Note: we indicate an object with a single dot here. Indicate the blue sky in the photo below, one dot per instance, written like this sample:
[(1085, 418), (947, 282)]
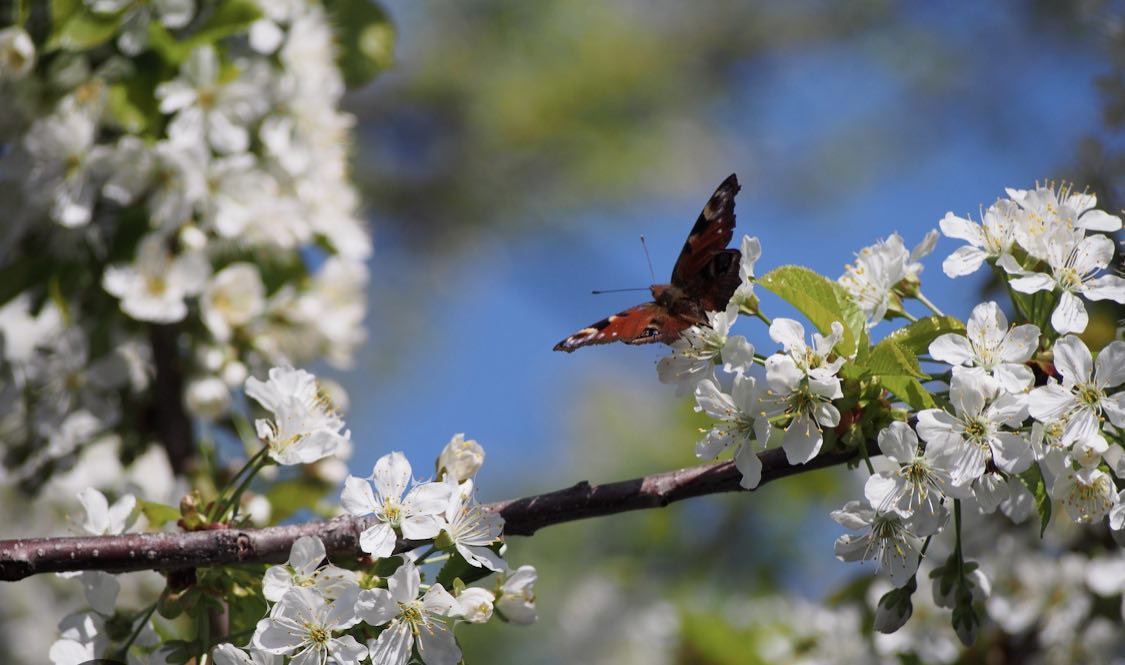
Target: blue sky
[(493, 312)]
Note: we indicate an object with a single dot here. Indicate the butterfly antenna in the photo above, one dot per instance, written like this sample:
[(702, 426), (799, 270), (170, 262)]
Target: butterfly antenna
[(651, 272), (598, 293)]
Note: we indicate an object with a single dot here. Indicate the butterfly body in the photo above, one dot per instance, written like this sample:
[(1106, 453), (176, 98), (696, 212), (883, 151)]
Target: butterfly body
[(703, 280)]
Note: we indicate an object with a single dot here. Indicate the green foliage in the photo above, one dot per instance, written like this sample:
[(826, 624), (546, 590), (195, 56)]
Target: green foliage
[(18, 273), (457, 570), (710, 639), (821, 300), (74, 27), (158, 514), (918, 335), (899, 372), (1034, 481), (291, 496), (230, 17), (366, 39), (123, 112)]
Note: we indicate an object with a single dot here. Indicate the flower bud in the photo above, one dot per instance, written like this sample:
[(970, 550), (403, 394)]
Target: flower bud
[(893, 611), (207, 397), (474, 605), (460, 459), (17, 53)]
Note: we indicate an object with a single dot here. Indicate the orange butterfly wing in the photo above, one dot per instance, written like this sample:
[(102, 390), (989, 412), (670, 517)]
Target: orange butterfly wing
[(644, 324)]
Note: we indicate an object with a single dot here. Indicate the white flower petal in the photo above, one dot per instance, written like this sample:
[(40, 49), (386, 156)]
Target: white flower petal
[(378, 540), (1070, 314)]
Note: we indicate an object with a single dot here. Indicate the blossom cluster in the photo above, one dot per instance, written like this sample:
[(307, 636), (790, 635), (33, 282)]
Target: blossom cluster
[(193, 153), (1015, 417), (423, 544)]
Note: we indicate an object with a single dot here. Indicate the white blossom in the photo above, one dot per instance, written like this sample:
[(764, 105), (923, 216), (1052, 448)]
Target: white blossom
[(988, 241), (991, 348), (804, 397), (233, 297), (17, 53), (136, 17), (878, 269), (411, 620), (418, 514), (63, 157), (968, 438), (516, 600), (154, 286), (1074, 261), (208, 109), (305, 427), (887, 538), (742, 421), (228, 654), (1044, 210), (743, 296), (1117, 517), (179, 181), (471, 529), (919, 485), (1087, 494), (694, 353), (460, 459), (303, 570), (1082, 397), (82, 638), (474, 605), (303, 625), (102, 519), (207, 397)]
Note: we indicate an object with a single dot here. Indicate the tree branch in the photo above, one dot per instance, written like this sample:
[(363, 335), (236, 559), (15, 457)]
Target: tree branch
[(170, 421), (522, 517)]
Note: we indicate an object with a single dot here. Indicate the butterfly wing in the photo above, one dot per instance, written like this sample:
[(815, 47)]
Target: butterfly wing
[(643, 324), (707, 241)]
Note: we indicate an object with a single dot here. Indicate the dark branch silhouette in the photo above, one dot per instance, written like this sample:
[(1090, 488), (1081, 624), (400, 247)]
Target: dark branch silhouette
[(522, 517)]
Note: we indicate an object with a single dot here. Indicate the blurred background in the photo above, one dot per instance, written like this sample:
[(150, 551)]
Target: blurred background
[(514, 153)]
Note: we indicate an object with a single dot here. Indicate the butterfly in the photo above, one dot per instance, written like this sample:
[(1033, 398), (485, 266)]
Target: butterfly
[(703, 280)]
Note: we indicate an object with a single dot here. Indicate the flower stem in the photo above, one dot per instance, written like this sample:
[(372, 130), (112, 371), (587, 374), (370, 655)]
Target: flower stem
[(140, 626), (765, 319), (957, 552), (866, 456), (426, 555), (909, 317), (929, 305), (253, 466)]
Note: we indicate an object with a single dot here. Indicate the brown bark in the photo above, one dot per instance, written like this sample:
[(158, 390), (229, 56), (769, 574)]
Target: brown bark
[(522, 517)]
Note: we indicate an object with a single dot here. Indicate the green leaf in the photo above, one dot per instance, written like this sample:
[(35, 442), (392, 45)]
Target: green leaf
[(1033, 480), (918, 335), (909, 390), (290, 496), (365, 37), (889, 358), (123, 112), (456, 568), (820, 299), (61, 10), (76, 28), (158, 514), (19, 274), (229, 18)]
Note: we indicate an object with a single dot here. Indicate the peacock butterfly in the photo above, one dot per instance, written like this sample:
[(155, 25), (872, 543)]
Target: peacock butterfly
[(703, 280)]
